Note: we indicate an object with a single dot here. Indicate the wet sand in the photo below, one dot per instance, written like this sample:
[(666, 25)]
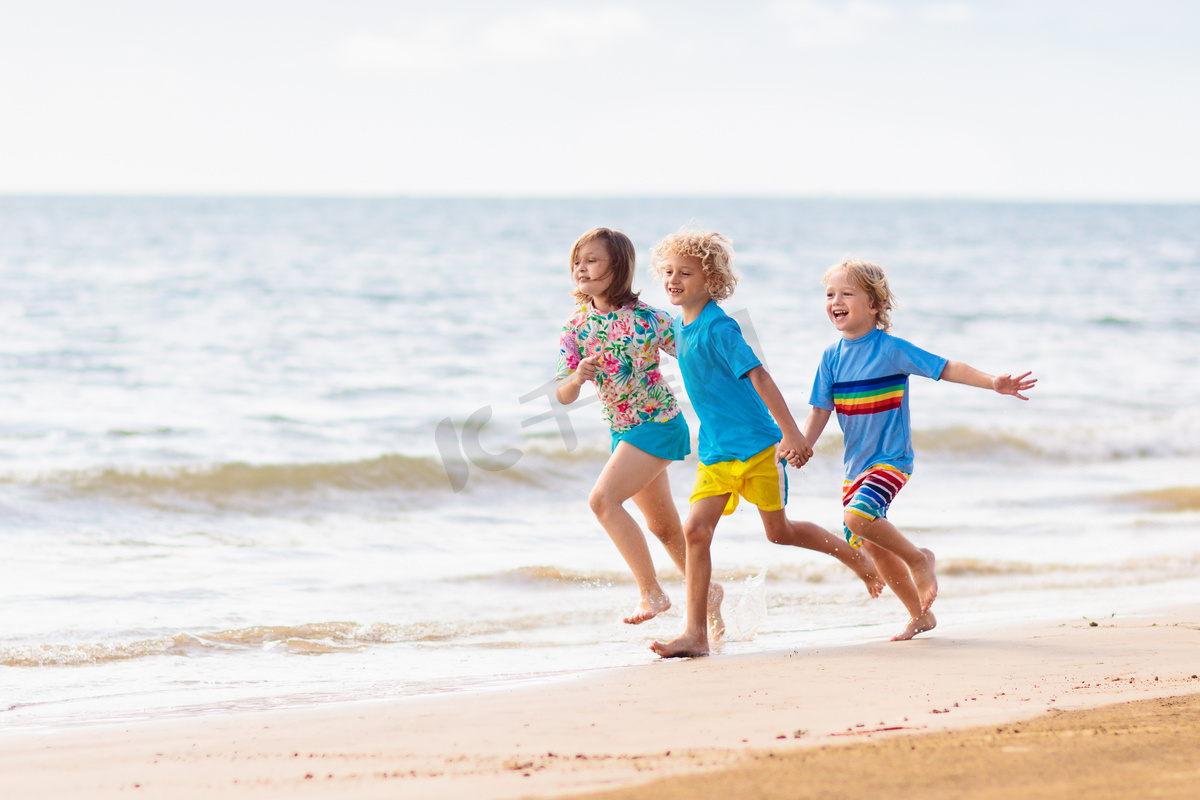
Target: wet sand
[(1009, 710), (1147, 748)]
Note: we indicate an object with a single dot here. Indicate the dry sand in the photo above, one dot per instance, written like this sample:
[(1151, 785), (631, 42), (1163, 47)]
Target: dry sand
[(763, 725)]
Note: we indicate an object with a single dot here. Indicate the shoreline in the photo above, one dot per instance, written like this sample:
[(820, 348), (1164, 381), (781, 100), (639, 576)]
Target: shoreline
[(619, 727)]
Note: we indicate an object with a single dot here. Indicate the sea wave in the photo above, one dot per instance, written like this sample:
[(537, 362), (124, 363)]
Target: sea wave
[(80, 654), (427, 480), (785, 584), (413, 479), (813, 573), (1178, 498), (831, 571), (1168, 436), (961, 440), (301, 639), (561, 575)]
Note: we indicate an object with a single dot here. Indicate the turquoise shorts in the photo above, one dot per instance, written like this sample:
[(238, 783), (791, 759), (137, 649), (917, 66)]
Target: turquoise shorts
[(670, 440)]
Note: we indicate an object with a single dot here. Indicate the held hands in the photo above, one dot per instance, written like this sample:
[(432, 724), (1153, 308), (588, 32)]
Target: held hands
[(795, 450), (1007, 384)]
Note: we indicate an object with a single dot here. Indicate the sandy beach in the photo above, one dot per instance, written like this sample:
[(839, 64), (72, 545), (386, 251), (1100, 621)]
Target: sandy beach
[(724, 718)]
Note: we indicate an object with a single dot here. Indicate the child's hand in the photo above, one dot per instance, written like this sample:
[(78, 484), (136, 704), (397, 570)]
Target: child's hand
[(794, 449), (1007, 384), (586, 371)]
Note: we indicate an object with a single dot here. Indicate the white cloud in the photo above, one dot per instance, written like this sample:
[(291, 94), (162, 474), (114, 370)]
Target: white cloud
[(436, 47), (949, 13), (811, 22), (432, 48), (553, 33)]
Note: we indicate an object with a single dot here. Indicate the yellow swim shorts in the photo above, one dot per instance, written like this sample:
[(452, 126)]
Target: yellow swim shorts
[(761, 480)]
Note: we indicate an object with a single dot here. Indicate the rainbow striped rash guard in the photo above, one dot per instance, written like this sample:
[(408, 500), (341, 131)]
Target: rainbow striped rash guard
[(865, 381)]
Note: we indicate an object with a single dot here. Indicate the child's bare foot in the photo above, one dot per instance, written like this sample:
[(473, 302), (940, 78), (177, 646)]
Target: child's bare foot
[(649, 608), (864, 568), (925, 622), (716, 623), (874, 584), (685, 646), (926, 580)]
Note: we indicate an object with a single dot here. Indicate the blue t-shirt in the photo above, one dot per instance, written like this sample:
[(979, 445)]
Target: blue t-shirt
[(865, 380), (714, 359)]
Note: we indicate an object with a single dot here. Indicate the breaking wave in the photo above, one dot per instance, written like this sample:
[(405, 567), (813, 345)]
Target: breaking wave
[(408, 479), (424, 480), (304, 639), (1177, 435), (1180, 498)]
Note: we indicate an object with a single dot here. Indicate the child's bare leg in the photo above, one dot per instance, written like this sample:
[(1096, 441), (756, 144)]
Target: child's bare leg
[(810, 536), (662, 518), (658, 507), (899, 579), (920, 561), (698, 533), (628, 471)]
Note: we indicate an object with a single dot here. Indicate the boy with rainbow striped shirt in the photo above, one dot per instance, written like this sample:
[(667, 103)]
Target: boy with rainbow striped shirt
[(864, 378)]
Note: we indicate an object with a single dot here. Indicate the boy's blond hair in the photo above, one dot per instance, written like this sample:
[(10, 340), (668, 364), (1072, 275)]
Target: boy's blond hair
[(711, 249), (622, 256), (873, 281)]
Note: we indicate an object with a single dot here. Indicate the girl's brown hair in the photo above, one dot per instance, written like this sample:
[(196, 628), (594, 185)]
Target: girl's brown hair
[(622, 258)]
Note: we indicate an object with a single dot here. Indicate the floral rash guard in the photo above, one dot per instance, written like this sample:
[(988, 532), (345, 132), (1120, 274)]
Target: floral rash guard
[(626, 343)]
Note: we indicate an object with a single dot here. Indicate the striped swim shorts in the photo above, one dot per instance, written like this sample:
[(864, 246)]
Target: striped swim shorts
[(870, 494)]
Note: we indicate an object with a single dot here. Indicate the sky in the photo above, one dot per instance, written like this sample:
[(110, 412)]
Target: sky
[(1071, 100)]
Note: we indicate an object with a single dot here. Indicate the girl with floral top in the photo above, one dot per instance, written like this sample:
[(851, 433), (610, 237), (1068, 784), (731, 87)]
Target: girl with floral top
[(613, 340)]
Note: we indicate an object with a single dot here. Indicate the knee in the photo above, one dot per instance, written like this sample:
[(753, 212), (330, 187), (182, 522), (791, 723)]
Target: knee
[(778, 532), (698, 535), (857, 524), (599, 501)]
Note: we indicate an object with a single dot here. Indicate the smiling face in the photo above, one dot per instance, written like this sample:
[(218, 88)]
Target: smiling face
[(592, 272), (848, 306), (685, 283)]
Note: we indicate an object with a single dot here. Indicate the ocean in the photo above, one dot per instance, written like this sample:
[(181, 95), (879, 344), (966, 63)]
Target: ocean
[(260, 453)]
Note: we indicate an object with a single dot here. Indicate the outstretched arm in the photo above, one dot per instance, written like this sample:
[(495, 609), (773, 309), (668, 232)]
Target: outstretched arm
[(958, 372), (793, 446)]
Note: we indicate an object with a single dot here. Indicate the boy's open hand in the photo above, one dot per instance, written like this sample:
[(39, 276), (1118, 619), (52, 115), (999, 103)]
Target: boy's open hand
[(1007, 384)]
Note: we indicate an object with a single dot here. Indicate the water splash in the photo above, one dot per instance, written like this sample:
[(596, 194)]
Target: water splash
[(750, 611)]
